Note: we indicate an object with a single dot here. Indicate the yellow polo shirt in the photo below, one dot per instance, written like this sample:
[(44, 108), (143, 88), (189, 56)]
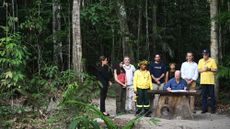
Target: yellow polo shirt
[(142, 80), (207, 77)]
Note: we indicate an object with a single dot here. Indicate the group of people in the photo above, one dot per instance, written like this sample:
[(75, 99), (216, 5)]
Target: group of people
[(132, 85)]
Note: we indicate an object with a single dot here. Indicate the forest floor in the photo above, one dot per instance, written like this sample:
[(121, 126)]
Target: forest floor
[(200, 121)]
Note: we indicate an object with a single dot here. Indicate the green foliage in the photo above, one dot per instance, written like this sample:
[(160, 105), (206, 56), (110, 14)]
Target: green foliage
[(13, 56)]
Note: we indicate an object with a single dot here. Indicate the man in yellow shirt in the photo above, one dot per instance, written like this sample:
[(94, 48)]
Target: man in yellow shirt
[(207, 68), (142, 82)]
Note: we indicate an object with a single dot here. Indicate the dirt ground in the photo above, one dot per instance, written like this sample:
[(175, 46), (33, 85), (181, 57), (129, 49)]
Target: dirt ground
[(200, 121)]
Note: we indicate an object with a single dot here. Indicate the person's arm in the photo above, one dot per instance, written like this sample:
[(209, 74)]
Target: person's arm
[(196, 74), (150, 81), (135, 81), (213, 67), (167, 77), (116, 79), (182, 71), (167, 86), (200, 69)]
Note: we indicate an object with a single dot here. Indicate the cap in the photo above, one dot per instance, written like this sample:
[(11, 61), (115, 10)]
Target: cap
[(205, 51), (144, 62)]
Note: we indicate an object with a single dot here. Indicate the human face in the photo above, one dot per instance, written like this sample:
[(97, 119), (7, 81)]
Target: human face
[(104, 62), (177, 75), (126, 61), (143, 67), (157, 58), (189, 57), (172, 66), (205, 56)]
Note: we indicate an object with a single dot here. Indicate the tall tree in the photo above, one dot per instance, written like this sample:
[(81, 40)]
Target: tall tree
[(125, 35), (76, 33), (56, 27), (214, 35)]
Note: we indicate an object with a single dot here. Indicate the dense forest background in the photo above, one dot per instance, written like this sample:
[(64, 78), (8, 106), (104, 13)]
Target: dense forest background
[(49, 48)]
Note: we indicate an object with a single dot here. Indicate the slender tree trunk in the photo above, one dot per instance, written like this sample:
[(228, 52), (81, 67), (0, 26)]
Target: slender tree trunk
[(69, 36), (126, 45), (13, 14), (147, 29), (214, 36), (57, 44), (139, 29), (76, 32), (113, 48), (154, 19)]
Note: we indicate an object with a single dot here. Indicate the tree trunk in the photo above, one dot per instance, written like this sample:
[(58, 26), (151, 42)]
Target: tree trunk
[(214, 36), (76, 32), (147, 29), (126, 46), (154, 19), (57, 44), (139, 29)]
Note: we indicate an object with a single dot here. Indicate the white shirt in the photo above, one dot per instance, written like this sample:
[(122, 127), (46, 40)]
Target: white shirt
[(129, 72), (189, 71)]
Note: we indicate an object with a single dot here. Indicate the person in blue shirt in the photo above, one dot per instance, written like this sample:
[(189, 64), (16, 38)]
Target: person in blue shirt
[(157, 70), (176, 83)]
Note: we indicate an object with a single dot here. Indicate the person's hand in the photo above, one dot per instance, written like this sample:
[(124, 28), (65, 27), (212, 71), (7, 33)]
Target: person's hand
[(110, 83), (169, 89), (135, 92), (158, 82), (124, 86)]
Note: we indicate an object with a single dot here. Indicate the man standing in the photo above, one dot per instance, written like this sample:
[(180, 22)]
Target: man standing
[(129, 72), (142, 82), (207, 68), (189, 72), (157, 71)]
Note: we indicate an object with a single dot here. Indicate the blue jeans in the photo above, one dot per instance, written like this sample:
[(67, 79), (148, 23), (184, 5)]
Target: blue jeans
[(208, 91)]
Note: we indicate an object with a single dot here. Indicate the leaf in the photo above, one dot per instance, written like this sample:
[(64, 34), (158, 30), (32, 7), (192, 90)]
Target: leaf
[(8, 74)]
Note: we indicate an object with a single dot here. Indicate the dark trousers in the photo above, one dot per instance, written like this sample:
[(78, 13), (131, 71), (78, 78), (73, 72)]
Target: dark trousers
[(103, 95), (120, 99), (142, 100), (208, 91)]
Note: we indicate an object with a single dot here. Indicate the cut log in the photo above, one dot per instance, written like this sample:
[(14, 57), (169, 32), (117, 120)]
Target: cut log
[(173, 105)]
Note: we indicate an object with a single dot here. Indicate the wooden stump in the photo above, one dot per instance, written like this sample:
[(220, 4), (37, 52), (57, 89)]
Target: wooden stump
[(173, 105)]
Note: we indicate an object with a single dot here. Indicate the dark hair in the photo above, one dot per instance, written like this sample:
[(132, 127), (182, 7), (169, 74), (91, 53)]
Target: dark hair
[(119, 69), (101, 58)]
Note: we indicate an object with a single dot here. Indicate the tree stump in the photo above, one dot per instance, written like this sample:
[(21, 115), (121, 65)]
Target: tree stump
[(173, 105)]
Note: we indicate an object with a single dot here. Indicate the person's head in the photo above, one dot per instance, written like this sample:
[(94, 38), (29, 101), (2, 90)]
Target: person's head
[(189, 56), (177, 75), (206, 54), (157, 57), (121, 64), (126, 60), (172, 66), (103, 60), (143, 64)]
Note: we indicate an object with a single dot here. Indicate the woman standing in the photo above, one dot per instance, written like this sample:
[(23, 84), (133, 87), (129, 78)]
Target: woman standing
[(104, 75), (120, 78), (171, 72)]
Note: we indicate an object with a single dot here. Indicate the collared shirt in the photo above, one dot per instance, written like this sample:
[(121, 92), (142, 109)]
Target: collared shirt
[(189, 71), (181, 85), (207, 77), (129, 72), (142, 80)]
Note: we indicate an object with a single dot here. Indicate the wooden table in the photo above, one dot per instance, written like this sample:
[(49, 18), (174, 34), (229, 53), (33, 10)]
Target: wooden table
[(173, 104)]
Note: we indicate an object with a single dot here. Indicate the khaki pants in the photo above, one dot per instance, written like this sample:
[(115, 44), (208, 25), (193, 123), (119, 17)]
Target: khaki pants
[(192, 86)]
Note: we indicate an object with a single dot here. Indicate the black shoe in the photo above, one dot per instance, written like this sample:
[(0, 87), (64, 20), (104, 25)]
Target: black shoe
[(138, 112), (203, 112)]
